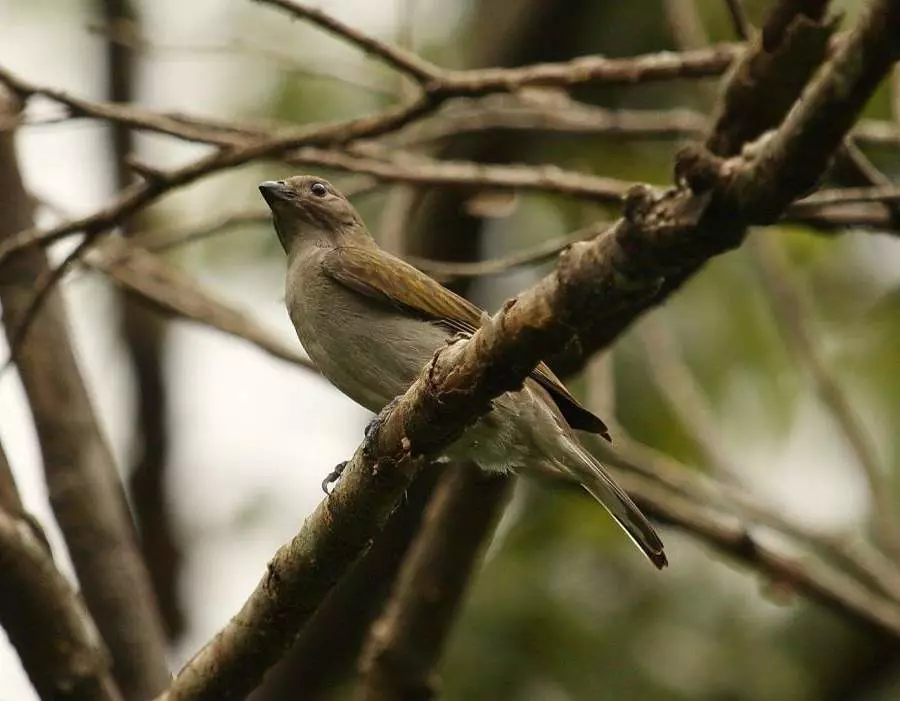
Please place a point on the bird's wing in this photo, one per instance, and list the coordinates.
(363, 270)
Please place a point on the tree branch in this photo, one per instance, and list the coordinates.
(47, 623)
(174, 292)
(82, 480)
(399, 59)
(663, 239)
(405, 643)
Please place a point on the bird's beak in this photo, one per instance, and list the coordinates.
(274, 191)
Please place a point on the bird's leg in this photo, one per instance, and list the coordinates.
(333, 476)
(371, 429)
(375, 424)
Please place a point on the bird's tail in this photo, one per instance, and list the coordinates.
(594, 478)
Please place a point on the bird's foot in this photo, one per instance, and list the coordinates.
(375, 424)
(333, 476)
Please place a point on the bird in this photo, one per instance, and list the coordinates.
(370, 322)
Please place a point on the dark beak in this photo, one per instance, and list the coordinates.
(274, 191)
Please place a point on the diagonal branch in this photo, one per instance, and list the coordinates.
(47, 623)
(176, 293)
(663, 239)
(397, 58)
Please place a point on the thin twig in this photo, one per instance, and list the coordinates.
(829, 586)
(542, 252)
(792, 312)
(629, 455)
(685, 398)
(400, 60)
(174, 292)
(739, 19)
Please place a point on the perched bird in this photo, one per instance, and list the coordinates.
(370, 322)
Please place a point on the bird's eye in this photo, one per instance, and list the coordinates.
(318, 189)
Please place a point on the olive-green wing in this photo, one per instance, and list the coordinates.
(363, 270)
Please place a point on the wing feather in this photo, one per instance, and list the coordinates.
(363, 269)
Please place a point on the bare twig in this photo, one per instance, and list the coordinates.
(400, 60)
(632, 456)
(830, 587)
(792, 313)
(174, 292)
(739, 19)
(125, 115)
(685, 397)
(539, 253)
(404, 167)
(566, 116)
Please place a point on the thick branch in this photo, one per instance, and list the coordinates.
(790, 163)
(405, 644)
(47, 623)
(82, 480)
(779, 62)
(660, 243)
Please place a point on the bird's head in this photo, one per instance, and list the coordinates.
(308, 209)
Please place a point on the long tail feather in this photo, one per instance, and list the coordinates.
(594, 478)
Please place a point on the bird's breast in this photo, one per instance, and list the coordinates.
(369, 351)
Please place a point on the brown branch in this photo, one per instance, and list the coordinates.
(559, 115)
(779, 62)
(125, 115)
(444, 86)
(820, 119)
(10, 501)
(82, 480)
(144, 334)
(630, 456)
(405, 644)
(399, 59)
(702, 63)
(662, 241)
(408, 168)
(329, 644)
(885, 193)
(47, 624)
(174, 292)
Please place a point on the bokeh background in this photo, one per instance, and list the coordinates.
(563, 608)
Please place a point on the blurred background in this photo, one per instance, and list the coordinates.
(224, 447)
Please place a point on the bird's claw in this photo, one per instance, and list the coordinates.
(333, 477)
(372, 427)
(375, 424)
